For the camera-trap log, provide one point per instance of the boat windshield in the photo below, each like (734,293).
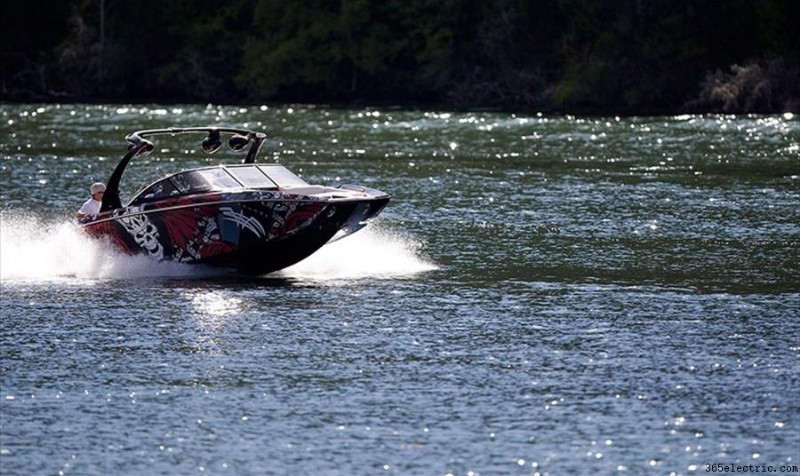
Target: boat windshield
(219,179)
(265,176)
(282,176)
(251,177)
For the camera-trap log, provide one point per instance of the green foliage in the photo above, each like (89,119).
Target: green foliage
(619,55)
(30,31)
(290,45)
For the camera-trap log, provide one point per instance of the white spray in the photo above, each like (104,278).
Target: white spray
(38,249)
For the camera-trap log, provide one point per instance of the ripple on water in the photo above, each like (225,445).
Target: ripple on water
(552,295)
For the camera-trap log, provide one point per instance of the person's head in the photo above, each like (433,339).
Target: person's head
(97,190)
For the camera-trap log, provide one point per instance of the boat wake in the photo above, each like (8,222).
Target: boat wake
(34,248)
(374,252)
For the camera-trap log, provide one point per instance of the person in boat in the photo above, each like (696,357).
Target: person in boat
(92,206)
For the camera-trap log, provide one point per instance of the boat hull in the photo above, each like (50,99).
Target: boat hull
(252,232)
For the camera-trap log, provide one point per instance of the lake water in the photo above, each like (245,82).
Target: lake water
(543,295)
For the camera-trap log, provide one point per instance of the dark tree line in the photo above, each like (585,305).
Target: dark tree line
(609,56)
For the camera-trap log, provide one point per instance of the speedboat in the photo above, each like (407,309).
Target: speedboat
(255,218)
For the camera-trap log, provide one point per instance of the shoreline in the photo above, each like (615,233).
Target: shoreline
(589,111)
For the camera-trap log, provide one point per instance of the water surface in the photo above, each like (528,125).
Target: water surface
(551,295)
